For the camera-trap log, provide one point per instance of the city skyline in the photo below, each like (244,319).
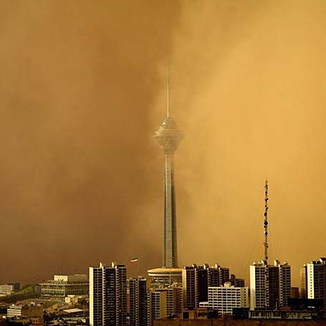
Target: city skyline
(83,88)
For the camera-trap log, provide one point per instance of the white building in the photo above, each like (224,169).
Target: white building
(258,285)
(225,298)
(270,285)
(315,276)
(14,311)
(7,289)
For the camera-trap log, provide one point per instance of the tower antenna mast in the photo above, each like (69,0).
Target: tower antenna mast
(167,91)
(266,224)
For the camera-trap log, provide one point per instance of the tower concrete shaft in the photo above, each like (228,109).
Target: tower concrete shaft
(169,137)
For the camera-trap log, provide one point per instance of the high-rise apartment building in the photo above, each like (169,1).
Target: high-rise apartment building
(163,303)
(202,283)
(189,287)
(303,282)
(197,279)
(314,279)
(237,282)
(270,285)
(223,274)
(284,283)
(138,301)
(108,295)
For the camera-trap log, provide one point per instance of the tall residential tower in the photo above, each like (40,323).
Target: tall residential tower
(314,280)
(108,295)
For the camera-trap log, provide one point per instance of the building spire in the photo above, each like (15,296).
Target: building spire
(266,224)
(167,92)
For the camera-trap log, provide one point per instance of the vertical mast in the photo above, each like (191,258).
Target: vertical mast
(167,92)
(266,224)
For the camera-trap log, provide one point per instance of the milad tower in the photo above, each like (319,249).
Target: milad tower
(169,136)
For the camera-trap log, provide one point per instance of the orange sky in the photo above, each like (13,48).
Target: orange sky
(81,93)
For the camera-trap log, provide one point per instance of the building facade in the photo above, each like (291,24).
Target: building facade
(189,287)
(164,303)
(138,301)
(270,285)
(64,285)
(108,295)
(9,288)
(165,277)
(315,280)
(197,279)
(225,298)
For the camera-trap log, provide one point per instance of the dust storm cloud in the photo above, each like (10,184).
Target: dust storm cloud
(81,92)
(78,82)
(250,79)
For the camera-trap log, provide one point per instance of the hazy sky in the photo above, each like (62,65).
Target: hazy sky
(82,88)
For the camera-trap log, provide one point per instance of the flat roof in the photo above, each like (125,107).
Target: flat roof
(73,310)
(164,270)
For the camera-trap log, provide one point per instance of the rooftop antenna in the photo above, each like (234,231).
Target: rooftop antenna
(167,92)
(266,224)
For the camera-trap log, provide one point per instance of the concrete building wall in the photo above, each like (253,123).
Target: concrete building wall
(224,299)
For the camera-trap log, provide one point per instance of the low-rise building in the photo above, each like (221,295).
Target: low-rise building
(14,311)
(9,288)
(64,285)
(24,311)
(225,298)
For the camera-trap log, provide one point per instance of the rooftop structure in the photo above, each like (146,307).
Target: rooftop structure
(163,277)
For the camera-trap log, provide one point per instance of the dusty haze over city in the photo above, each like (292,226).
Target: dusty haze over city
(82,89)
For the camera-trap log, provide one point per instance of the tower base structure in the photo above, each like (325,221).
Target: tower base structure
(164,277)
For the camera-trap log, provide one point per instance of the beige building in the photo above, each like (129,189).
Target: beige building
(225,298)
(65,285)
(164,302)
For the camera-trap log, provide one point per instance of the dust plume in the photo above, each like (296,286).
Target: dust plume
(249,81)
(81,93)
(77,85)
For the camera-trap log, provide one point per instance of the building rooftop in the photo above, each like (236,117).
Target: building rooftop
(164,270)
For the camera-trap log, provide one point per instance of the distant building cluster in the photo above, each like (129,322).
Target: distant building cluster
(196,291)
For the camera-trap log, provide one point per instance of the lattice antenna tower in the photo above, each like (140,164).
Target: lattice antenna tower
(266,224)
